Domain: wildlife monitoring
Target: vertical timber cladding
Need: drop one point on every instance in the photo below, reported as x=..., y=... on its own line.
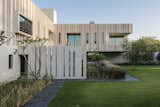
x=58, y=62
x=9, y=17
x=93, y=36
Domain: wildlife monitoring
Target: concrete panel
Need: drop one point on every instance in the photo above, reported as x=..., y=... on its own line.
x=9, y=74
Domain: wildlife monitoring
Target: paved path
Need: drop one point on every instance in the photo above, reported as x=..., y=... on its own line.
x=46, y=95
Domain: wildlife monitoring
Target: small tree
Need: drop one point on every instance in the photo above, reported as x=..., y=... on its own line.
x=2, y=37
x=37, y=43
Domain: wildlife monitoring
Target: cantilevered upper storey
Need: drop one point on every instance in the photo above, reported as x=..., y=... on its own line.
x=93, y=37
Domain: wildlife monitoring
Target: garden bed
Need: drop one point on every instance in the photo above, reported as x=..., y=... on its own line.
x=17, y=93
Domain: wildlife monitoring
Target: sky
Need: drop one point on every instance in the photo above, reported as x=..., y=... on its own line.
x=143, y=14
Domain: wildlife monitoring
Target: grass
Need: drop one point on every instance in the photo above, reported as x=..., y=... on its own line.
x=113, y=94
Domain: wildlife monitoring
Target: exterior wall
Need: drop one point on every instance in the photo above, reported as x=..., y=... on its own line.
x=103, y=33
x=58, y=62
x=9, y=22
x=6, y=74
x=9, y=18
x=102, y=43
x=52, y=14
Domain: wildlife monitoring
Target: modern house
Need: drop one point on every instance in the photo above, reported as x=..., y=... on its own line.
x=22, y=18
x=106, y=38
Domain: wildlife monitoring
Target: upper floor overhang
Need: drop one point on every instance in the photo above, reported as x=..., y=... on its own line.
x=112, y=29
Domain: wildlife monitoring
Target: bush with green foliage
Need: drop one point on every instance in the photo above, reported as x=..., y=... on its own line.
x=105, y=70
x=141, y=51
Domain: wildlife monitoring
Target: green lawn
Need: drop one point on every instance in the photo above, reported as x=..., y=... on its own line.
x=113, y=94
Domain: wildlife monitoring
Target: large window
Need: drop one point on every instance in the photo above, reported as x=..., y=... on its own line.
x=25, y=25
x=116, y=41
x=74, y=40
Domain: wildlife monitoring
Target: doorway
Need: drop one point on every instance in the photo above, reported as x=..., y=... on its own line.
x=23, y=65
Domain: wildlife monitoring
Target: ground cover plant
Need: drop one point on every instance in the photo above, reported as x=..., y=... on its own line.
x=17, y=93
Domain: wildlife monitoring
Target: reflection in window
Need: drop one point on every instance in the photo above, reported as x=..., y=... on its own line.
x=117, y=41
x=25, y=25
x=74, y=40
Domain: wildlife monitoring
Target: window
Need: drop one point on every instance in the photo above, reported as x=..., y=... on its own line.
x=25, y=25
x=95, y=38
x=10, y=62
x=74, y=40
x=59, y=38
x=82, y=68
x=116, y=41
x=87, y=38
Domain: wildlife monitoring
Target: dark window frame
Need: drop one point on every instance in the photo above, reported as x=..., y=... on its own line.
x=25, y=25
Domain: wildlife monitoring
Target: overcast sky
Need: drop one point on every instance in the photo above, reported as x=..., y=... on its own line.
x=143, y=14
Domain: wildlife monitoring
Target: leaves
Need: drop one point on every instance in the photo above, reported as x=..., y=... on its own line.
x=142, y=50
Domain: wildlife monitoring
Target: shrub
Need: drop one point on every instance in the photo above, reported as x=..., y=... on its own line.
x=17, y=93
x=105, y=70
x=117, y=73
x=113, y=71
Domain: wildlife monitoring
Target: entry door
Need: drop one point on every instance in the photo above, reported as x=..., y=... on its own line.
x=23, y=65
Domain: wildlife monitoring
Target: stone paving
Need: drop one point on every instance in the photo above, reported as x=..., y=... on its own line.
x=46, y=95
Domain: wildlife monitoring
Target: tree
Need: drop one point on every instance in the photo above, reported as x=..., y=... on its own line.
x=141, y=51
x=2, y=37
x=36, y=43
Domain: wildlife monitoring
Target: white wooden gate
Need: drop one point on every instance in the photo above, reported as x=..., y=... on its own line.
x=58, y=61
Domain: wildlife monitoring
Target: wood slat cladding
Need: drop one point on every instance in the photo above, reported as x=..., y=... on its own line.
x=9, y=17
x=103, y=32
x=110, y=28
